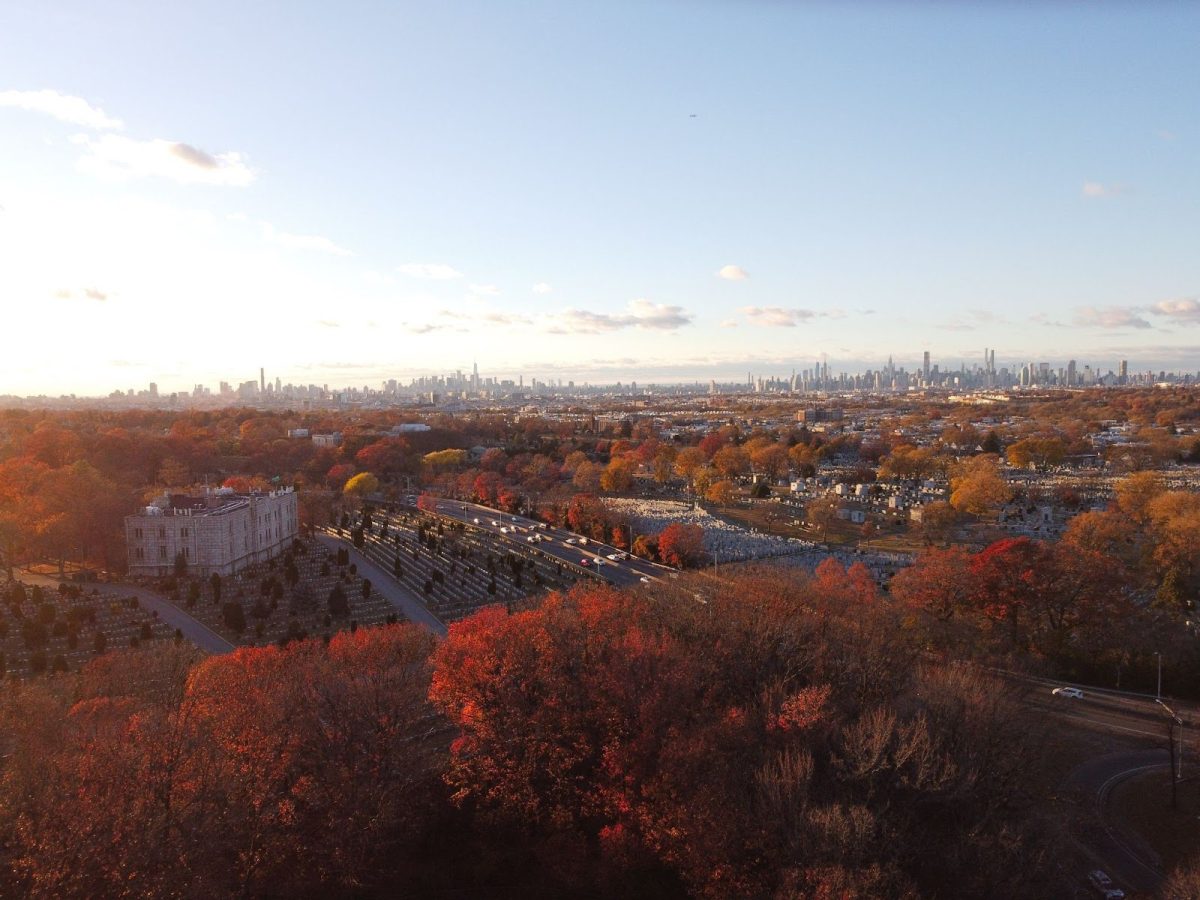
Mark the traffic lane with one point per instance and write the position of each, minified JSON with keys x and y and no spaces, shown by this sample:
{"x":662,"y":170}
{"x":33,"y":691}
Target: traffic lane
{"x":1109,"y":696}
{"x":1128,"y":716}
{"x":1095,"y":781}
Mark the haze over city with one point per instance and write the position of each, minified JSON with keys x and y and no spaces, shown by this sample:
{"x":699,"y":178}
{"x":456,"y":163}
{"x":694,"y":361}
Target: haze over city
{"x":661,"y":191}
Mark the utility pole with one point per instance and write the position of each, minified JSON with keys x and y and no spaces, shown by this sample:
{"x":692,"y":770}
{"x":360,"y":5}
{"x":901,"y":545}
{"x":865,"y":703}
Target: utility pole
{"x":1158,"y":693}
{"x":1176,"y":758}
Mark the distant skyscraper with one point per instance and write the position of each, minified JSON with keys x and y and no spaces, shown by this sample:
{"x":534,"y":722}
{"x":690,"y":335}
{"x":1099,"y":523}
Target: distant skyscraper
{"x":925,"y":367}
{"x":262,"y":380}
{"x":1124,"y":373}
{"x":1072,"y":377}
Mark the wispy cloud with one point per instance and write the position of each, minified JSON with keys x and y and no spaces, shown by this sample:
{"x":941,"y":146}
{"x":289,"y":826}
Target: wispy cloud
{"x":329,"y":323}
{"x":777,"y":316}
{"x":542,"y":287}
{"x":429,"y":271}
{"x":1043,"y":319}
{"x":116,"y":157}
{"x":483,"y":290}
{"x":639,"y":313}
{"x":313,"y":242}
{"x":1095,"y":190}
{"x":63,"y":107}
{"x":729,"y":323}
{"x":1109,"y":317}
{"x":732,"y":273}
{"x":492,"y":317}
{"x":86,"y":293}
{"x":1184,"y":309}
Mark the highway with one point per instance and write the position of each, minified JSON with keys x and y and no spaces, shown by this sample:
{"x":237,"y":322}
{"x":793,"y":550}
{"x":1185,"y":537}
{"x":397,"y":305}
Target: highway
{"x":559,"y":544}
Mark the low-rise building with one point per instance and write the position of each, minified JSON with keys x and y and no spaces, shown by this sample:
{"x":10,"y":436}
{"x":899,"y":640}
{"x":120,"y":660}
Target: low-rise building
{"x":222,"y":531}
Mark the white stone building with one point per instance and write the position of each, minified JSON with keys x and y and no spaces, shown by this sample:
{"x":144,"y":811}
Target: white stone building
{"x":220,"y":532}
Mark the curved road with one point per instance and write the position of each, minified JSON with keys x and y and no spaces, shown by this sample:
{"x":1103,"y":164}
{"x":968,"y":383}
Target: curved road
{"x":1096,"y":779}
{"x":192,"y":629}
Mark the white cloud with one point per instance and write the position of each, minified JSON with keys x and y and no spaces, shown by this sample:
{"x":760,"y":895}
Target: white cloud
{"x":484,"y":290}
{"x":87,"y":293}
{"x":733,"y":273}
{"x":429,"y":271}
{"x":1096,"y":190}
{"x":303,"y":241}
{"x":729,"y":323}
{"x":115,"y":157}
{"x":640,"y":313}
{"x":777,"y":316}
{"x":542,"y":287}
{"x":63,"y":107}
{"x":1185,"y":309}
{"x":1109,"y":317}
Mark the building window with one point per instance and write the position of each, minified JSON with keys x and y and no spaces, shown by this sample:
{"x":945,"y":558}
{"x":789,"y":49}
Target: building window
{"x":187,"y":552}
{"x":183,"y":532}
{"x":137,"y":533}
{"x":162,"y":532}
{"x":140,"y":553}
{"x":162,"y":552}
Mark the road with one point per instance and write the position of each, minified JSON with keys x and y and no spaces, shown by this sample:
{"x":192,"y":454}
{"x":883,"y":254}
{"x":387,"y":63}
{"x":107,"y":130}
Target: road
{"x":1126,"y":714}
{"x":192,"y":629}
{"x":1123,"y":858}
{"x":622,"y":573}
{"x":399,"y":596}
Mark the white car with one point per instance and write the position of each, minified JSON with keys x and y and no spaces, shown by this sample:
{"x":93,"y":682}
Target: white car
{"x":495,"y":524}
{"x":569,"y":541}
{"x":1072,"y":692}
{"x":644,"y":580}
{"x":476,"y":520}
{"x":614,"y":556}
{"x":504,"y":530}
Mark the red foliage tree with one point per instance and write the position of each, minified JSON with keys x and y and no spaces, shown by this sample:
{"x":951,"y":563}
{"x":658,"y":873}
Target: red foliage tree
{"x":682,"y":546}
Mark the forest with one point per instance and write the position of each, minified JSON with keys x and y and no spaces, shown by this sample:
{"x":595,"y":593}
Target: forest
{"x":779,"y":735}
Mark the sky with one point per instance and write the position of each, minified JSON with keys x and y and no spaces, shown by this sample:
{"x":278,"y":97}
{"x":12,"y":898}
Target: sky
{"x":597,"y":191}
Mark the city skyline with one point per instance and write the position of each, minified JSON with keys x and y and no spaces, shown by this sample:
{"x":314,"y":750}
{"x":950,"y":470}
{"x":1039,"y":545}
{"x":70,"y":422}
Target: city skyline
{"x":821,"y":376}
{"x":653,"y":192}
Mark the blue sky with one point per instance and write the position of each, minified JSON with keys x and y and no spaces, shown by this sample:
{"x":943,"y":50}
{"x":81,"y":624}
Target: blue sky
{"x":597,"y":191}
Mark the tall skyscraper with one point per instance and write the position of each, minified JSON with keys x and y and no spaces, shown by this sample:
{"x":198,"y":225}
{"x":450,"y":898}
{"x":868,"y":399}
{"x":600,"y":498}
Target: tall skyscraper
{"x":262,"y":381}
{"x":1124,"y":373}
{"x":925,"y":368}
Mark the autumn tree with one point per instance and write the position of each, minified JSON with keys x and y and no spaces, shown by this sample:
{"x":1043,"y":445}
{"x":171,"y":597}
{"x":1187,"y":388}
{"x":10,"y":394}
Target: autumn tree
{"x":977,"y":487}
{"x":682,"y":546}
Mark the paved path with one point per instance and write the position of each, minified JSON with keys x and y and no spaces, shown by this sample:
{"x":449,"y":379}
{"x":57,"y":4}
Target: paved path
{"x":1123,"y":859}
{"x":193,"y":629}
{"x":400,"y":597}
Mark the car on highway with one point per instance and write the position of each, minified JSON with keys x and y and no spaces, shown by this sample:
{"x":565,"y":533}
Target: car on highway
{"x":1073,"y":692}
{"x":585,"y":562}
{"x":569,"y":541}
{"x":1104,"y":886}
{"x":618,"y":555}
{"x":504,"y":530}
{"x":495,"y":524}
{"x":644,"y":580}
{"x":476,"y":520}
